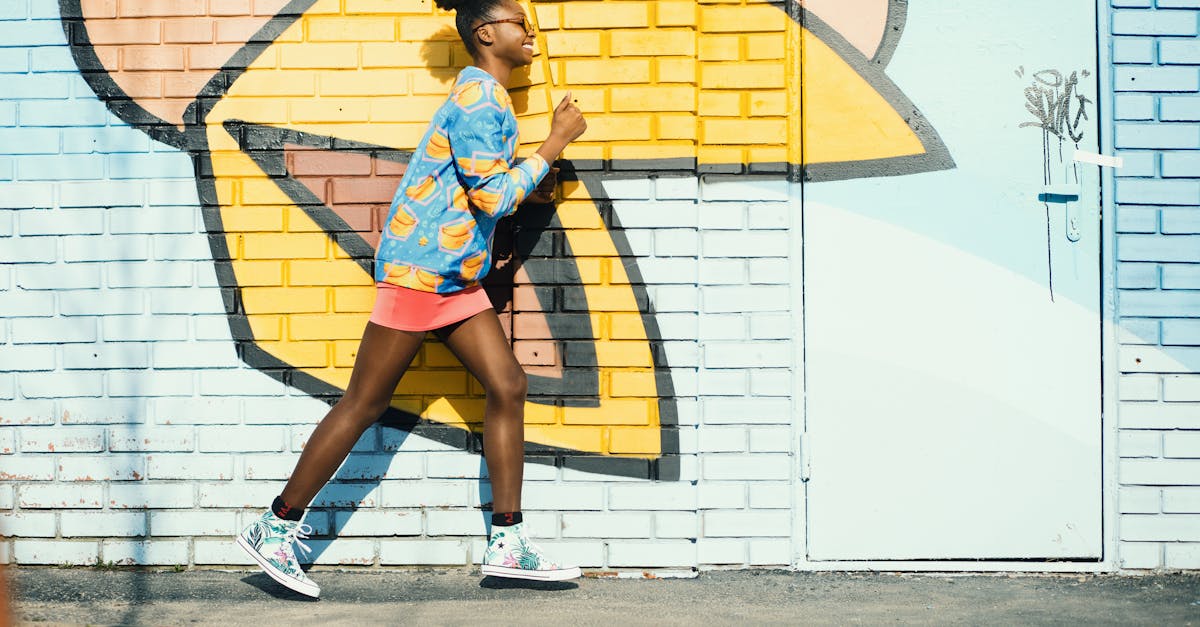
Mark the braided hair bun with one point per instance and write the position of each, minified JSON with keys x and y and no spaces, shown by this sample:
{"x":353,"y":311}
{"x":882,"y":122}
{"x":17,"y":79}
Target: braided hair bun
{"x":454,"y":5}
{"x":468,"y":13}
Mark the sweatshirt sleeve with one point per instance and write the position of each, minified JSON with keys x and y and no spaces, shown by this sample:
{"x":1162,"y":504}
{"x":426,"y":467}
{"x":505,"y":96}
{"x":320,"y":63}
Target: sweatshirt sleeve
{"x":481,"y":152}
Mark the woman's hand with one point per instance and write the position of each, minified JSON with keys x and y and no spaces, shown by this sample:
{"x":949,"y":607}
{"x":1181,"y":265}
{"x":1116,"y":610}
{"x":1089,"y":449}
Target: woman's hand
{"x":568,"y":123}
{"x":544,"y":193}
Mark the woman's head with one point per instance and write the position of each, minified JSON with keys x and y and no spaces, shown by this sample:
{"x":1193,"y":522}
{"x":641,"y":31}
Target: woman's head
{"x":495,"y":28}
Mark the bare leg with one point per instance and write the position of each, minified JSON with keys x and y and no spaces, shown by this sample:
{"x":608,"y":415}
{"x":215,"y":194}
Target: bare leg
{"x":480,"y":344}
{"x":382,"y":358}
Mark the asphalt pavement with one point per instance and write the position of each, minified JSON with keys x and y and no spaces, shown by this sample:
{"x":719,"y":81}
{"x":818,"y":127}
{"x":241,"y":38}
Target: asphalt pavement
{"x":459,"y":597}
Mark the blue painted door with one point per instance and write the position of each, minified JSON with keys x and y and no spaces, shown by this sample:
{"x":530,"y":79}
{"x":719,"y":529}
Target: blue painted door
{"x":952,"y":285}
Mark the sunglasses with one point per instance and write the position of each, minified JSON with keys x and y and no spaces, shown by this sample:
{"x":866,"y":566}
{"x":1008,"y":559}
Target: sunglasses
{"x":522,"y":21}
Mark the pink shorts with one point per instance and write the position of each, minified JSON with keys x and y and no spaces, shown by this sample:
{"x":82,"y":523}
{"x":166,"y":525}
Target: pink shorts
{"x":413,"y":310}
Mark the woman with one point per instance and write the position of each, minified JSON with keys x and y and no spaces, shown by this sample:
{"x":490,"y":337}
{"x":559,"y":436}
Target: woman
{"x":435,"y":249}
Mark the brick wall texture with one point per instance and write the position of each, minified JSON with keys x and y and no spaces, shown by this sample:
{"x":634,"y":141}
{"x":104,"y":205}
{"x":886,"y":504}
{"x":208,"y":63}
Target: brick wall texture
{"x":1156,"y":52}
{"x":182,"y":285}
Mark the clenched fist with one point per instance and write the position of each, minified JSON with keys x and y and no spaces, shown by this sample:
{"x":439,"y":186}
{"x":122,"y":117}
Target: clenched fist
{"x":568,"y":123}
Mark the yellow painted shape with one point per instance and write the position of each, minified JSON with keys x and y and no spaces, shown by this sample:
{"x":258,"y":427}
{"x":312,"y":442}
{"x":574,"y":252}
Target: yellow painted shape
{"x":374,"y":75}
{"x":845,"y":118}
{"x":632,"y":440}
{"x":313,"y":299}
{"x":353,"y":299}
{"x":717,"y":95}
{"x":261,"y":273}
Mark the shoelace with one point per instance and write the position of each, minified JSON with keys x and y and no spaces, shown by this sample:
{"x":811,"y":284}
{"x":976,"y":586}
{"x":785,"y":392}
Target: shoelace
{"x":299,"y":532}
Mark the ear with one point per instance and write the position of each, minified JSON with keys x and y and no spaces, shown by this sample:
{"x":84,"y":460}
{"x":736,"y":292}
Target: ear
{"x":485,"y":36}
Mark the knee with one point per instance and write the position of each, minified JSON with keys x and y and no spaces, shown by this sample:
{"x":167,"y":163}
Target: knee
{"x":510,"y":390}
{"x":363,"y":410}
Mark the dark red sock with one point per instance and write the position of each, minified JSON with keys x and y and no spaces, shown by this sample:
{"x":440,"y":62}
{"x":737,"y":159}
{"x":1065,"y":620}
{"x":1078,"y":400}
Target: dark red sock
{"x":285,"y":511}
{"x":505,"y":519}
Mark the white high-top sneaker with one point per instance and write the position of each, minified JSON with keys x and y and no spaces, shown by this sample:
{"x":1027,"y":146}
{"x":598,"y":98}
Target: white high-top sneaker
{"x":269,"y":541}
{"x":510,"y":553}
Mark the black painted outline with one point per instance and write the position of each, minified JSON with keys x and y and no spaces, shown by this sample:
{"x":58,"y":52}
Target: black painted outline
{"x":666,"y":467}
{"x":936,"y":156}
{"x":892,"y":32}
{"x":193,"y":139}
{"x":266,"y":146}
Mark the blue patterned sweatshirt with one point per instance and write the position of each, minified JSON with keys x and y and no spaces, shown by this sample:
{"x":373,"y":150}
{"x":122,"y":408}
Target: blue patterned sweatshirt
{"x":459,"y":182}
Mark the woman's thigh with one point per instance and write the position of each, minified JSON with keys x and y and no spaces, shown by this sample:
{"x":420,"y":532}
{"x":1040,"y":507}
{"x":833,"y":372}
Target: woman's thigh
{"x":480,"y":344}
{"x":383,"y":356}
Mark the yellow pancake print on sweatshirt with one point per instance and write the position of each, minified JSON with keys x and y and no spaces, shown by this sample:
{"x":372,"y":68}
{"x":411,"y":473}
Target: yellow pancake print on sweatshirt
{"x":402,"y":224}
{"x":453,"y":236}
{"x":473,"y":264}
{"x":438,"y":148}
{"x":422,"y":192}
{"x":412,"y":277}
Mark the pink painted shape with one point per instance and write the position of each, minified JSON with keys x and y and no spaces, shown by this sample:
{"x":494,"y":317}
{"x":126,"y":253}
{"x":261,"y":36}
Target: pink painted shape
{"x":862,"y":22}
{"x":176,"y":39}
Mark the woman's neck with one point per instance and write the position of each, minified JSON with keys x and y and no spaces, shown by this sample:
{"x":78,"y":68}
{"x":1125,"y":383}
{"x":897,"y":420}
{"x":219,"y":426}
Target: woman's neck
{"x":497,"y":68}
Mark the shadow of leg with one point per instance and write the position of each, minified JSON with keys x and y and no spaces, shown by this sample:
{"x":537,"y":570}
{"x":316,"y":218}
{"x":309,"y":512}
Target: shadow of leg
{"x":275,"y":589}
{"x":503,"y":583}
{"x":350,"y":488}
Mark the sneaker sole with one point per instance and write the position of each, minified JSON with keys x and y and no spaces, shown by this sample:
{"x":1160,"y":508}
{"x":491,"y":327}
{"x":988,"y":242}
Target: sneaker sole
{"x":536,"y":575}
{"x":311,"y":590}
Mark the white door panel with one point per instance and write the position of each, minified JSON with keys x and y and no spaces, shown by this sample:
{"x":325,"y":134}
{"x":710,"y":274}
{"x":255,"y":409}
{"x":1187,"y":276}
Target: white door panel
{"x":952,"y":408}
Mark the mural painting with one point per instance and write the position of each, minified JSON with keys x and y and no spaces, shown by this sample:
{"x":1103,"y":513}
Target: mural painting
{"x":301,"y":115}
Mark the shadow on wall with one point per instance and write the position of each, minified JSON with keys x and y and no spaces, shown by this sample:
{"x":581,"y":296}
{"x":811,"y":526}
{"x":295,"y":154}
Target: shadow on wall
{"x":354,"y":483}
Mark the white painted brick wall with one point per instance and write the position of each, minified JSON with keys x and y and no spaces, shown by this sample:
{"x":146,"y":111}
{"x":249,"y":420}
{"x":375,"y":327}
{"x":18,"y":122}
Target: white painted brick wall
{"x":191,"y":523}
{"x":101,"y":468}
{"x":60,"y":496}
{"x":426,"y":493}
{"x":102,"y":524}
{"x":124,"y":409}
{"x":344,"y":552}
{"x":151,"y":495}
{"x":203,"y":443}
{"x":431,"y":552}
{"x":219,"y":552}
{"x":660,"y":554}
{"x":56,"y":552}
{"x":157,"y":552}
{"x":28,"y":525}
{"x":721,"y":551}
{"x":606,"y":525}
{"x":186,"y":466}
{"x":676,"y":525}
{"x":378,"y":523}
{"x":770,"y":552}
{"x":27,"y":468}
{"x":1183,"y":500}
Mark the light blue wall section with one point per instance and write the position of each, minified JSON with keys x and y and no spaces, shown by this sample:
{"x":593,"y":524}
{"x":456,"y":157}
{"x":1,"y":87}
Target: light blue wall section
{"x":1156,"y":106}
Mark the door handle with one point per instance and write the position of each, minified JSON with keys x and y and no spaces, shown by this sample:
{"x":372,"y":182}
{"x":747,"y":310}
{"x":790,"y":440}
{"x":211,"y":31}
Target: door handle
{"x":1068,"y":195}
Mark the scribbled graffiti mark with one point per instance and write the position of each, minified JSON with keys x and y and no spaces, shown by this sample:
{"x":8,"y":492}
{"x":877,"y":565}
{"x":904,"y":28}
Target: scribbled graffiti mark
{"x":1060,"y":111}
{"x":1056,"y":105}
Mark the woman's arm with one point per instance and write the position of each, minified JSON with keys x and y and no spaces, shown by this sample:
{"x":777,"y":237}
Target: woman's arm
{"x":479,"y":150}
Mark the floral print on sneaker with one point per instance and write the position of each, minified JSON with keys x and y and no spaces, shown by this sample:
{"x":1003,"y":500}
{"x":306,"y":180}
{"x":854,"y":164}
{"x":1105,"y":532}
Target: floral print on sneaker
{"x":510,"y":553}
{"x":269,"y":540}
